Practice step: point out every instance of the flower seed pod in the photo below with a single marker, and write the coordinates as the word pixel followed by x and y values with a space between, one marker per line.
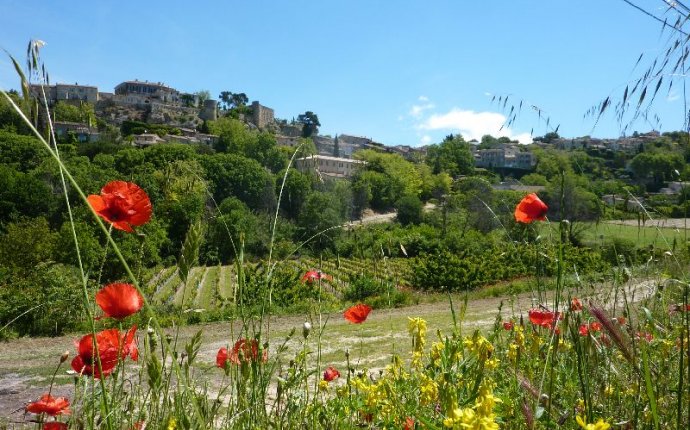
pixel 306 329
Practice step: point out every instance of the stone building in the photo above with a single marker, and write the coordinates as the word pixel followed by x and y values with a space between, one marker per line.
pixel 209 111
pixel 329 167
pixel 82 132
pixel 262 116
pixel 505 157
pixel 66 92
pixel 139 93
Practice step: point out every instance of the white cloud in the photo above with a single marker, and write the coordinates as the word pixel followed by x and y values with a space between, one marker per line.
pixel 472 125
pixel 673 96
pixel 417 110
pixel 425 140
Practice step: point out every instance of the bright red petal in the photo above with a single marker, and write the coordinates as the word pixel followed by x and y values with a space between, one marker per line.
pixel 222 358
pixel 357 314
pixel 49 405
pixel 54 425
pixel 96 203
pixel 530 209
pixel 123 204
pixel 330 374
pixel 119 300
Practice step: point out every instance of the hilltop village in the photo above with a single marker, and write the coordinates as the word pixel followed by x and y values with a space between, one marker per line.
pixel 184 116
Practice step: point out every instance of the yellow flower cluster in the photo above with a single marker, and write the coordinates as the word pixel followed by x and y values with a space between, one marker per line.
pixel 599 425
pixel 428 390
pixel 479 417
pixel 479 346
pixel 417 329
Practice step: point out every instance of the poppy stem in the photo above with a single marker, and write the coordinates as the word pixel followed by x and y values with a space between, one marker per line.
pixel 52 380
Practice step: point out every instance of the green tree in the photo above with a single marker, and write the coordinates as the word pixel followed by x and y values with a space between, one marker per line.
pixel 409 210
pixel 656 167
pixel 26 243
pixel 390 177
pixel 234 175
pixel 231 226
pixel 310 123
pixel 297 187
pixel 84 113
pixel 320 213
pixel 452 156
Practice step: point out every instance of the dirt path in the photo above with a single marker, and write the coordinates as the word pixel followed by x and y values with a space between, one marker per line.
pixel 27 364
pixel 678 223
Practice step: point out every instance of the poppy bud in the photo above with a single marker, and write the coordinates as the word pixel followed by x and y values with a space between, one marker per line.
pixel 64 356
pixel 306 329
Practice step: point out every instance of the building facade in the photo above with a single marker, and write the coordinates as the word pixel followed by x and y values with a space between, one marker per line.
pixel 137 92
pixel 331 167
pixel 66 92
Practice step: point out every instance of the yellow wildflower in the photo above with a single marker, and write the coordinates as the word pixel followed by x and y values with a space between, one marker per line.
pixel 512 352
pixel 172 424
pixel 519 335
pixel 564 345
pixel 417 329
pixel 599 425
pixel 428 390
pixel 491 363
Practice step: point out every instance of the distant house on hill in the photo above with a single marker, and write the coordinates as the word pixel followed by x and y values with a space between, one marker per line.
pixel 146 139
pixel 66 92
pixel 138 93
pixel 329 167
pixel 82 132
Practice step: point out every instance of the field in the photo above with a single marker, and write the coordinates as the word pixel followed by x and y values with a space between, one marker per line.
pixel 26 365
pixel 661 233
pixel 214 287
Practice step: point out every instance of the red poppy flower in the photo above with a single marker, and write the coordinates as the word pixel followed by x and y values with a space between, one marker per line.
pixel 530 209
pixel 222 358
pixel 507 325
pixel 357 314
pixel 330 374
pixel 123 204
pixel 50 405
pixel 129 345
pixel 595 326
pixel 543 318
pixel 244 350
pixel 110 346
pixel 119 300
pixel 409 424
pixel 54 425
pixel 313 275
pixel 575 305
pixel 584 330
pixel 621 320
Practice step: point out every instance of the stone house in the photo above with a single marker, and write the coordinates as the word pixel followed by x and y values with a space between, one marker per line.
pixel 330 167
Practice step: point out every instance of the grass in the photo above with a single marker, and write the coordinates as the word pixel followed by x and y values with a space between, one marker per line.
pixel 207 290
pixel 593 234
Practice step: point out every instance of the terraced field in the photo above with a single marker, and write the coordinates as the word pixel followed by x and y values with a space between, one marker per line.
pixel 210 287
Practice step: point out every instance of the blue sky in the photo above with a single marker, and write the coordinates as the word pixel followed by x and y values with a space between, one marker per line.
pixel 403 72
